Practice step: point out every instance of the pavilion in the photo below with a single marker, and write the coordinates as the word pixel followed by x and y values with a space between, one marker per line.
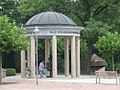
pixel 52 25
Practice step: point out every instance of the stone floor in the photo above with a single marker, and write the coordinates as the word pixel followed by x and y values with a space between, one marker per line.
pixel 60 83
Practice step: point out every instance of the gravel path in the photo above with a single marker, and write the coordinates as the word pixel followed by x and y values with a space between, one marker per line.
pixel 55 84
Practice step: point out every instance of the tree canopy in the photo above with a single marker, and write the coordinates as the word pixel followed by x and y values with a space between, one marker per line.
pixel 109 43
pixel 80 10
pixel 9 8
pixel 12 38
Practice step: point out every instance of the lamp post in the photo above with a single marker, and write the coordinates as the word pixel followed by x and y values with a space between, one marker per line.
pixel 36 30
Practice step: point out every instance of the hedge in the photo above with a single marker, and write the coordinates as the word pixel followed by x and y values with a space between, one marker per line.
pixel 10 72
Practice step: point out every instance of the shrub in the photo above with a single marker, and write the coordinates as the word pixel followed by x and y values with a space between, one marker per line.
pixel 118 67
pixel 10 72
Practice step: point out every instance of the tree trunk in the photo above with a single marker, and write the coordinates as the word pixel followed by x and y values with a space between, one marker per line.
pixel 89 55
pixel 113 63
pixel 0 68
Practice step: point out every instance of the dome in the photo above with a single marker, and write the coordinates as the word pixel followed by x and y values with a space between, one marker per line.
pixel 52 23
pixel 50 18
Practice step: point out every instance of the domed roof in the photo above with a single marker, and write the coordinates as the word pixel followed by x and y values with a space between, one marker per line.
pixel 50 18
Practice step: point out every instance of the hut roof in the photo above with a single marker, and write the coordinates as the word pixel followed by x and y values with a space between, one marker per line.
pixel 97 61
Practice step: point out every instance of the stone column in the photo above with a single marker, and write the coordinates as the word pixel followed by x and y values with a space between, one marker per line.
pixel 23 64
pixel 46 50
pixel 32 57
pixel 28 57
pixel 73 59
pixel 66 56
pixel 77 56
pixel 54 56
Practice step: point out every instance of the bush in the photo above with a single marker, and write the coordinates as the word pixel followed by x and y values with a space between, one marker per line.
pixel 118 67
pixel 10 72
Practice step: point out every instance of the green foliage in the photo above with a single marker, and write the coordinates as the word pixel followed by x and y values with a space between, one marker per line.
pixel 117 65
pixel 80 10
pixel 60 66
pixel 41 56
pixel 83 46
pixel 110 43
pixel 94 29
pixel 60 43
pixel 110 14
pixel 60 50
pixel 108 59
pixel 10 72
pixel 9 8
pixel 28 8
pixel 11 37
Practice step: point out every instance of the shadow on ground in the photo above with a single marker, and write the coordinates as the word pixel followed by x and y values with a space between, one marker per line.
pixel 8 83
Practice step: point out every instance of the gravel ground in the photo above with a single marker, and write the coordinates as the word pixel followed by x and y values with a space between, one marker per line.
pixel 83 83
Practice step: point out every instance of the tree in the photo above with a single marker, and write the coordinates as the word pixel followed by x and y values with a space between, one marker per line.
pixel 83 59
pixel 9 8
pixel 92 31
pixel 109 45
pixel 28 8
pixel 12 38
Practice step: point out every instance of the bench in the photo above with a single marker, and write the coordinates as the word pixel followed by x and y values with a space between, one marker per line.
pixel 106 74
